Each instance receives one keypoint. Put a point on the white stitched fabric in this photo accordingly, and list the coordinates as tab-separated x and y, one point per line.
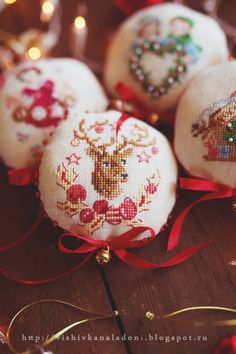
92	184
206	123
157	51
35	97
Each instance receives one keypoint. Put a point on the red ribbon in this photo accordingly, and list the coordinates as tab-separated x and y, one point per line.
218	191
22	177
123	118
127	94
227	345
29	233
11	277
142	111
128	7
120	244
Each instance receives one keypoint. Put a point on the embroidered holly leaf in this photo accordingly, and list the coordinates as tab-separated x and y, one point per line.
144	197
134	223
68	207
95	224
65	176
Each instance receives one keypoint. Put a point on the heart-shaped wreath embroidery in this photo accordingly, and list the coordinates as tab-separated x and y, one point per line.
178	43
160	49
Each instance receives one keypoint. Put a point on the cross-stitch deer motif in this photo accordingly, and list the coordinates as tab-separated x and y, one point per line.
109	167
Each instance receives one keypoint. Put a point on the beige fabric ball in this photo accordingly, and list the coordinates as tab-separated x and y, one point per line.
35	98
205	132
94	185
157	51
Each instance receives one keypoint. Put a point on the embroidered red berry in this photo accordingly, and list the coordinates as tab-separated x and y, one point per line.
155	150
113	216
75	193
100	206
151	188
128	209
87	215
99	129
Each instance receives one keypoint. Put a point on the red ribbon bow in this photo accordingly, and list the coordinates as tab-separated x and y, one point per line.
120	244
218	191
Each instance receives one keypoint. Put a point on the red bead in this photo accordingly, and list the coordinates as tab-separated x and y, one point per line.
100	206
128	209
75	193
87	215
151	188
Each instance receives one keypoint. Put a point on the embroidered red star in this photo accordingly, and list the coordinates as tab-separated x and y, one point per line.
73	158
143	157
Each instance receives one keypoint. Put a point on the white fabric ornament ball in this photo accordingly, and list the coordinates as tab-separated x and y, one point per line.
35	97
98	186
205	132
157	51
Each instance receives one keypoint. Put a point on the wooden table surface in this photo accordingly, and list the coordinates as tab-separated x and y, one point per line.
206	279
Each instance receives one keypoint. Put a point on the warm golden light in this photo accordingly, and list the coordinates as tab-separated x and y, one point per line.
9	2
47	7
80	23
34	53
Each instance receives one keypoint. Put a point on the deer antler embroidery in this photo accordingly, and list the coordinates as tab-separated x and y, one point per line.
109	167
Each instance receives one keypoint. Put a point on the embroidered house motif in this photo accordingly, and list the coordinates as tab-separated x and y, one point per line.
217	127
107	177
178	43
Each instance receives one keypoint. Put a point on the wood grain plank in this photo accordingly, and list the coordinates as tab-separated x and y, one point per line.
206	279
203	280
39	258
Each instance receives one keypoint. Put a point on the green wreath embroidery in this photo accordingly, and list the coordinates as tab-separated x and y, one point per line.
230	133
174	74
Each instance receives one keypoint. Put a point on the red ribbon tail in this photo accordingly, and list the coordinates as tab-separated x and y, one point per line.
127	94
22	177
141	263
129	7
217	192
27	235
226	345
124	7
9	276
123	118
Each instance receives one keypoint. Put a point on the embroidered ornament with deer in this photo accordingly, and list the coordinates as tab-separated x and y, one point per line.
99	183
35	98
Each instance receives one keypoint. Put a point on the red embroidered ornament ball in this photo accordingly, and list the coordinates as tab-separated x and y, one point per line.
98	184
35	98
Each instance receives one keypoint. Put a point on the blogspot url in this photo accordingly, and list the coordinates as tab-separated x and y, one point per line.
154	337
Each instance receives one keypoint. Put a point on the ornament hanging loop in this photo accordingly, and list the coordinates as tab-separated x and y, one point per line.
103	256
